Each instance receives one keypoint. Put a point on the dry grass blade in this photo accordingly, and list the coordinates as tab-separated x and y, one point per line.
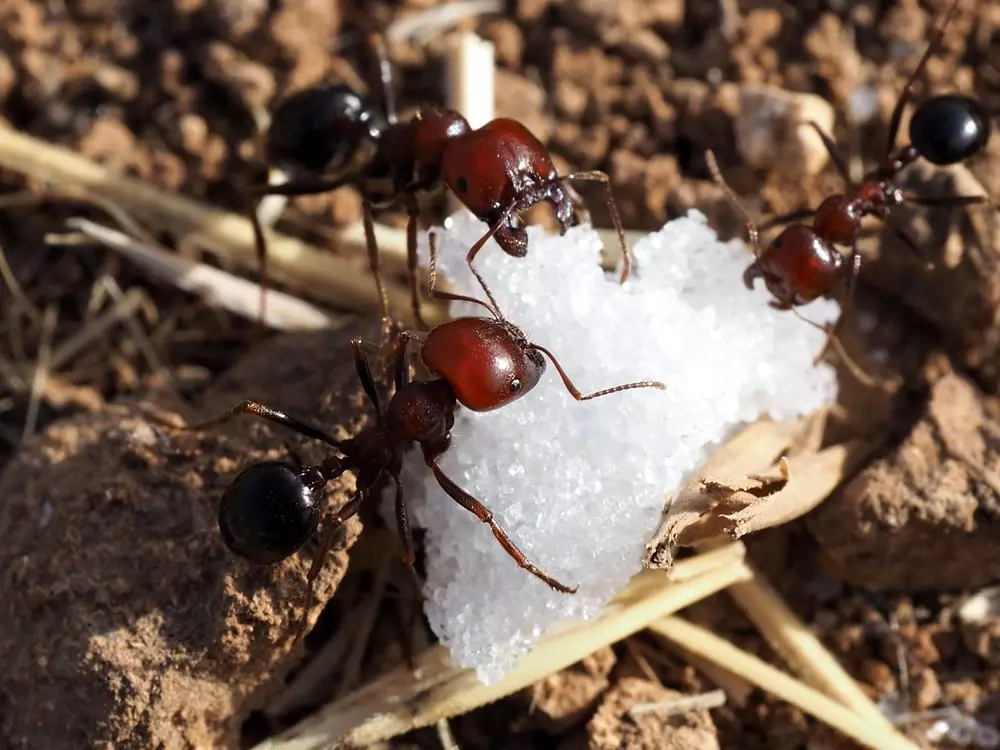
721	652
436	689
753	449
733	508
297	264
43	368
684	704
216	287
793	641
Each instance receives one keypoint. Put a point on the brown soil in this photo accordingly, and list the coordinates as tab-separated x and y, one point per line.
161	635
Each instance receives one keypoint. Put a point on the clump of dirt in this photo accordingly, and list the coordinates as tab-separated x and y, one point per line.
924	515
130	624
635	714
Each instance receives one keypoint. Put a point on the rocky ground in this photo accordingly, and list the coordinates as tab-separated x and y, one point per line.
168	92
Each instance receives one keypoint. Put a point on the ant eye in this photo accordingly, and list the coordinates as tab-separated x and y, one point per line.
462	185
515	386
778	242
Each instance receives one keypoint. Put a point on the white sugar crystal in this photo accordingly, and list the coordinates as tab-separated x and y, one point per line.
580	485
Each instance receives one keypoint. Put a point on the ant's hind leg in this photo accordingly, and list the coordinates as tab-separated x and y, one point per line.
257	409
349	509
409	560
411	265
483	513
373	264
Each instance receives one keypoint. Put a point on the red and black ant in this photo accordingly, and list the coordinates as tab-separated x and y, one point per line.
801	264
497	171
272	508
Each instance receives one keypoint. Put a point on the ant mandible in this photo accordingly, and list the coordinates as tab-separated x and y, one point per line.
272	508
496	171
801	263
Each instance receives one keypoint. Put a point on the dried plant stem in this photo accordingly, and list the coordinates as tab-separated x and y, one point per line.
436	689
214	286
719	651
43	368
793	641
307	269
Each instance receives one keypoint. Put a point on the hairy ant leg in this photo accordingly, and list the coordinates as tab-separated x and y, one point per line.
413	210
349	509
263	411
616	220
493	307
834	152
484	514
907	93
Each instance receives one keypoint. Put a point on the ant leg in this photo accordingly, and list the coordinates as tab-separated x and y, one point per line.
483	513
575	392
373	265
790	217
854	270
376	45
833	341
406	537
411	262
753	234
947	201
349	509
364	369
257	409
474	251
831	148
402	375
451	296
616	219
907	92
906	239
301	187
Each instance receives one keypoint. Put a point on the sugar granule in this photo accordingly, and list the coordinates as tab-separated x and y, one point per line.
580	485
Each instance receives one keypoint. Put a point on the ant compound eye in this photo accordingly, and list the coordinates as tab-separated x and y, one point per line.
462	185
268	512
515	386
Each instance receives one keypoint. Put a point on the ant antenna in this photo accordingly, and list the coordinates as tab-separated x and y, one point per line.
616	219
752	231
906	94
492	306
577	394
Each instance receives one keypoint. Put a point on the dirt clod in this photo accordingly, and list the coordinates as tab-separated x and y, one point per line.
924	516
122	601
629	718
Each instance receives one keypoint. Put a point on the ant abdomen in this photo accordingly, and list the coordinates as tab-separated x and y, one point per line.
486	361
269	512
949	128
320	129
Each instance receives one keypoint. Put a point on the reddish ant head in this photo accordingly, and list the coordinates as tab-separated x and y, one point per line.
797	267
501	164
320	129
487	362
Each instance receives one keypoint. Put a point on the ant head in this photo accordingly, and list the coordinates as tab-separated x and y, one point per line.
269	511
496	165
320	129
488	363
798	266
949	129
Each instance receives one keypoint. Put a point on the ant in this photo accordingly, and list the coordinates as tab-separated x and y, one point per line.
496	171
801	264
272	508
